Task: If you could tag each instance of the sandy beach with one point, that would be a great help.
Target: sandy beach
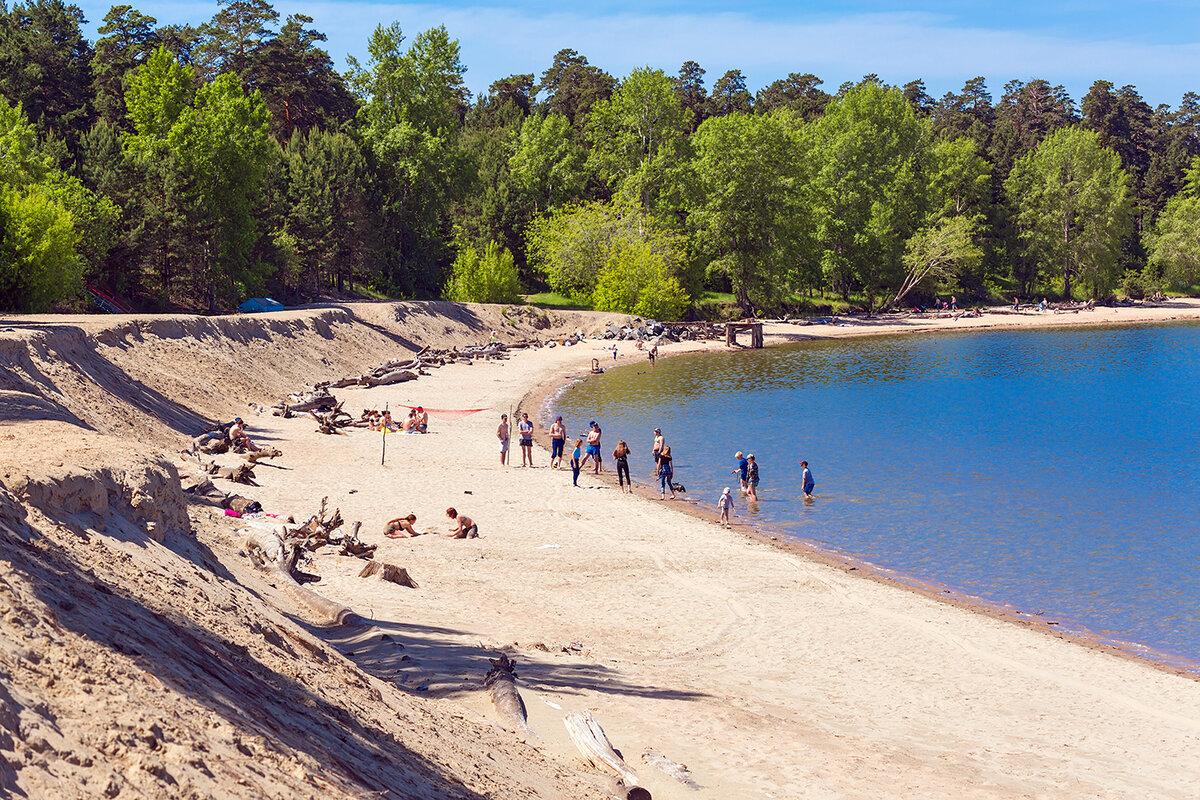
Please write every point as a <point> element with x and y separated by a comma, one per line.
<point>768,672</point>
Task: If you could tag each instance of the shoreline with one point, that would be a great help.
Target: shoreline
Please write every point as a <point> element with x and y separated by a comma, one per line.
<point>769,671</point>
<point>540,400</point>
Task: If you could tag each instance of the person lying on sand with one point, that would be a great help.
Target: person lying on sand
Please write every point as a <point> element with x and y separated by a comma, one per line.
<point>464,526</point>
<point>402,528</point>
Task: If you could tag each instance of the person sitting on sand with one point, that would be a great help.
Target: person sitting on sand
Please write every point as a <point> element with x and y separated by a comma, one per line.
<point>238,436</point>
<point>402,528</point>
<point>373,421</point>
<point>751,477</point>
<point>385,422</point>
<point>410,422</point>
<point>726,505</point>
<point>464,527</point>
<point>422,420</point>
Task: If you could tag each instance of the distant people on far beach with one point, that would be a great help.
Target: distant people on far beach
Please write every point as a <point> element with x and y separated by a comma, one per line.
<point>464,527</point>
<point>502,435</point>
<point>807,481</point>
<point>726,505</point>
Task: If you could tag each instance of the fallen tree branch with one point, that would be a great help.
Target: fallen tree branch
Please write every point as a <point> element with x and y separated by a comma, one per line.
<point>501,680</point>
<point>271,553</point>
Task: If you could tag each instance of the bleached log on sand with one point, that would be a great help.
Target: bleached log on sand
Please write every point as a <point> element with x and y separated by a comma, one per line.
<point>591,742</point>
<point>279,558</point>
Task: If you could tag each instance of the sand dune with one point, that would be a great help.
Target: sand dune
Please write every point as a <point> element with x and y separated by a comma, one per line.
<point>145,669</point>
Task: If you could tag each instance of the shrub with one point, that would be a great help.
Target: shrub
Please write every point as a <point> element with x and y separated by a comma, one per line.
<point>636,279</point>
<point>490,277</point>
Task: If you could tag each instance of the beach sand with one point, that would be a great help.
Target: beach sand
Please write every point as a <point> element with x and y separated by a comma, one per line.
<point>768,672</point>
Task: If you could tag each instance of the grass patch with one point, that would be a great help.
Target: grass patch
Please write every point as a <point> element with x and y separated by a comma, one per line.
<point>554,300</point>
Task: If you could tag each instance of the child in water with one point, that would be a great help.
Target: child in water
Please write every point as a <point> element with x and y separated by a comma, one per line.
<point>726,505</point>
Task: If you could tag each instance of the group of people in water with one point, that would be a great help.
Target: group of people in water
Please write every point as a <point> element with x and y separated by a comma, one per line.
<point>587,448</point>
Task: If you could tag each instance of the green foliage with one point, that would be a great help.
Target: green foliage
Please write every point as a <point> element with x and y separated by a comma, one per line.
<point>1174,244</point>
<point>572,245</point>
<point>548,164</point>
<point>867,155</point>
<point>1073,207</point>
<point>127,39</point>
<point>487,277</point>
<point>639,136</point>
<point>939,252</point>
<point>22,160</point>
<point>38,262</point>
<point>748,223</point>
<point>637,279</point>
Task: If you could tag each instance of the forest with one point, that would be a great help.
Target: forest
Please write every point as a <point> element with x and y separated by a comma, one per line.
<point>184,168</point>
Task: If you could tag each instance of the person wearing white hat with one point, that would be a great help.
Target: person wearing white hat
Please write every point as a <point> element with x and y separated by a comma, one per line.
<point>726,505</point>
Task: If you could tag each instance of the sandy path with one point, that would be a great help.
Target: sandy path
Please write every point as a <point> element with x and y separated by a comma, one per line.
<point>770,675</point>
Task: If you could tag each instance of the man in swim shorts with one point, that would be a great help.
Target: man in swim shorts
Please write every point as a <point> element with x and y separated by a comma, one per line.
<point>593,446</point>
<point>502,435</point>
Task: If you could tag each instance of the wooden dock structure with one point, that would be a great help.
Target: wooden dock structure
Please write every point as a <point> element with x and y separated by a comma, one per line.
<point>754,328</point>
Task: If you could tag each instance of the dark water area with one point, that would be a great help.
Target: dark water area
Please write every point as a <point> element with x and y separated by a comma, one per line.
<point>1052,471</point>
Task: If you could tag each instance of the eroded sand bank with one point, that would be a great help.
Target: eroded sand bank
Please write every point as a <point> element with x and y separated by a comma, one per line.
<point>769,674</point>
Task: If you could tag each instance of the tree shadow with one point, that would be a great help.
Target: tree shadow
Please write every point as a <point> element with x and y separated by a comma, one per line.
<point>226,678</point>
<point>433,660</point>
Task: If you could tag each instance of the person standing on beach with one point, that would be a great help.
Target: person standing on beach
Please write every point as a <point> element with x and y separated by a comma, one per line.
<point>621,456</point>
<point>807,481</point>
<point>558,439</point>
<point>593,446</point>
<point>658,445</point>
<point>726,505</point>
<point>576,462</point>
<point>614,349</point>
<point>502,435</point>
<point>665,473</point>
<point>525,427</point>
<point>751,478</point>
<point>742,465</point>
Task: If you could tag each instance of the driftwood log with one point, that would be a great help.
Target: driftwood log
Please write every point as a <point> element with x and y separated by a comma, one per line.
<point>388,572</point>
<point>351,546</point>
<point>501,681</point>
<point>593,744</point>
<point>278,557</point>
<point>677,771</point>
<point>263,452</point>
<point>242,473</point>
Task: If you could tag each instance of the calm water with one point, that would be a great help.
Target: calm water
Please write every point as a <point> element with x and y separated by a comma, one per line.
<point>1052,471</point>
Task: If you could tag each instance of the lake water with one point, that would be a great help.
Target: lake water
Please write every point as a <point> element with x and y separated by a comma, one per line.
<point>1052,471</point>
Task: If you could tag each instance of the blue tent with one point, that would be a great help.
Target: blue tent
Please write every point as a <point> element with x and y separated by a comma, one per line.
<point>257,304</point>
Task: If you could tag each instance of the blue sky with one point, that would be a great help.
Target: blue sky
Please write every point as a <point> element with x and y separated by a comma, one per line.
<point>1153,44</point>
